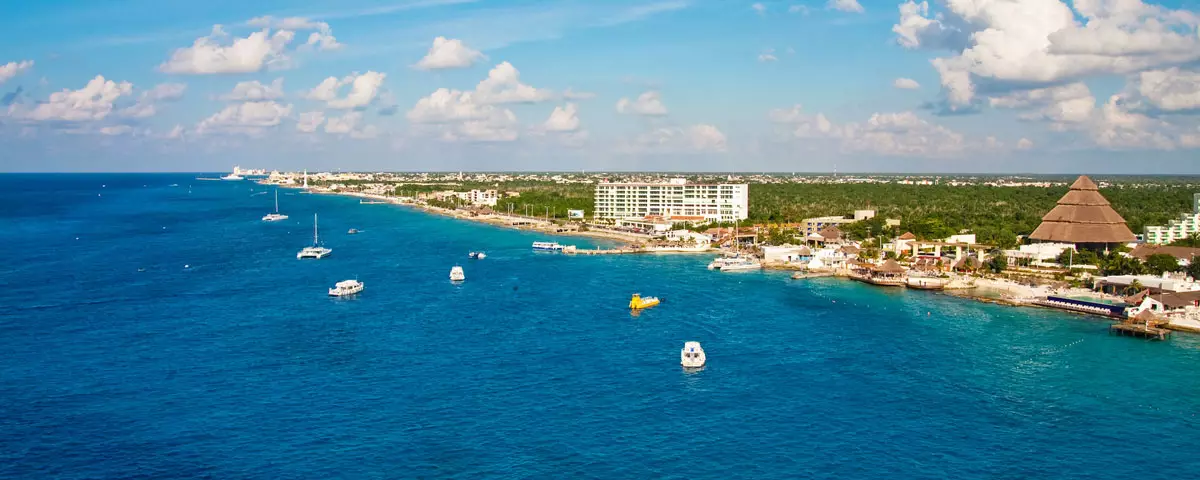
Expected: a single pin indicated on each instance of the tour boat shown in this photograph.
(553, 246)
(352, 231)
(639, 302)
(316, 250)
(692, 356)
(740, 265)
(346, 288)
(275, 217)
(477, 255)
(457, 275)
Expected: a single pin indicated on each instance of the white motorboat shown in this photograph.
(692, 356)
(233, 176)
(477, 255)
(741, 264)
(275, 217)
(316, 251)
(346, 288)
(457, 275)
(552, 246)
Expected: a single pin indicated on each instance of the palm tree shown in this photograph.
(1134, 287)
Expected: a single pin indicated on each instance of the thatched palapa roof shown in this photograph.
(889, 266)
(1083, 216)
(830, 233)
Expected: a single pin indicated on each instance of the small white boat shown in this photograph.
(477, 255)
(692, 356)
(275, 217)
(552, 246)
(233, 176)
(316, 250)
(457, 275)
(741, 264)
(346, 288)
(352, 231)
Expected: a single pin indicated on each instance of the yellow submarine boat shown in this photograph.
(638, 302)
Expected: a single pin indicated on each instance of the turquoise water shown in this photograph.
(240, 366)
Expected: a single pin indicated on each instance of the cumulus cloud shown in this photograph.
(460, 116)
(308, 122)
(147, 104)
(1170, 90)
(563, 119)
(449, 53)
(364, 89)
(248, 118)
(692, 138)
(503, 85)
(321, 39)
(1024, 144)
(894, 134)
(844, 6)
(1021, 43)
(12, 69)
(906, 84)
(254, 91)
(211, 54)
(350, 124)
(647, 104)
(92, 102)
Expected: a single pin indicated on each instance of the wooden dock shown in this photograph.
(1140, 331)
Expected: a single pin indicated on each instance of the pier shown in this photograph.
(1140, 331)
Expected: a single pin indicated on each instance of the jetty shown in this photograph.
(1143, 325)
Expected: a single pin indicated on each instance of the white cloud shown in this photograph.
(364, 89)
(147, 104)
(209, 55)
(1018, 43)
(309, 121)
(647, 104)
(254, 91)
(906, 84)
(322, 39)
(92, 102)
(893, 134)
(1024, 144)
(767, 55)
(1065, 104)
(116, 130)
(503, 85)
(348, 124)
(563, 119)
(12, 69)
(460, 116)
(569, 94)
(759, 8)
(693, 138)
(176, 132)
(248, 117)
(449, 53)
(844, 6)
(1170, 90)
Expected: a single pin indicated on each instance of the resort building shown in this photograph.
(675, 198)
(815, 225)
(1187, 225)
(1083, 217)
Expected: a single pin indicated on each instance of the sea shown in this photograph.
(151, 326)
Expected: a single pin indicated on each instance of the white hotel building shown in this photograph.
(676, 198)
(1187, 225)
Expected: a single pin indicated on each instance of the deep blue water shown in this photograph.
(241, 367)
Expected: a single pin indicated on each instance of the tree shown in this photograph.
(1117, 264)
(997, 263)
(1193, 269)
(1161, 262)
(1134, 287)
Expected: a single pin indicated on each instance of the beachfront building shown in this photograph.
(816, 224)
(675, 198)
(1083, 217)
(480, 198)
(1165, 283)
(787, 254)
(1187, 225)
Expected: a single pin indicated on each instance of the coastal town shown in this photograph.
(1082, 257)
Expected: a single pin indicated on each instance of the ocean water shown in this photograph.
(239, 365)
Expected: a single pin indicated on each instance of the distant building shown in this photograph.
(676, 198)
(815, 225)
(479, 197)
(1187, 225)
(575, 214)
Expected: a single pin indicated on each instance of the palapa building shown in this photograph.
(1083, 217)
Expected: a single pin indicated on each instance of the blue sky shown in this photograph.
(1096, 86)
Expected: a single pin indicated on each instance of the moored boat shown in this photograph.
(346, 288)
(316, 251)
(456, 274)
(639, 302)
(692, 356)
(477, 255)
(551, 246)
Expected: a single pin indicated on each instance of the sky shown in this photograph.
(970, 86)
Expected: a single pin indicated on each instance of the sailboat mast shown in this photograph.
(276, 200)
(316, 239)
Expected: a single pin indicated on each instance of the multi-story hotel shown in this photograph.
(1187, 225)
(676, 198)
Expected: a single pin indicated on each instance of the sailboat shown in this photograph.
(316, 250)
(275, 217)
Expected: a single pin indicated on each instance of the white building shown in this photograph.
(1187, 225)
(479, 197)
(715, 202)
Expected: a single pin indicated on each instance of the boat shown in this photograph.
(456, 274)
(477, 255)
(275, 217)
(371, 202)
(741, 264)
(233, 176)
(352, 231)
(346, 288)
(316, 250)
(551, 246)
(692, 356)
(639, 302)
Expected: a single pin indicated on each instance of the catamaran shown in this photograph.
(275, 217)
(456, 274)
(316, 250)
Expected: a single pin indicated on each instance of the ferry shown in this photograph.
(316, 250)
(639, 302)
(346, 288)
(692, 356)
(551, 246)
(457, 275)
